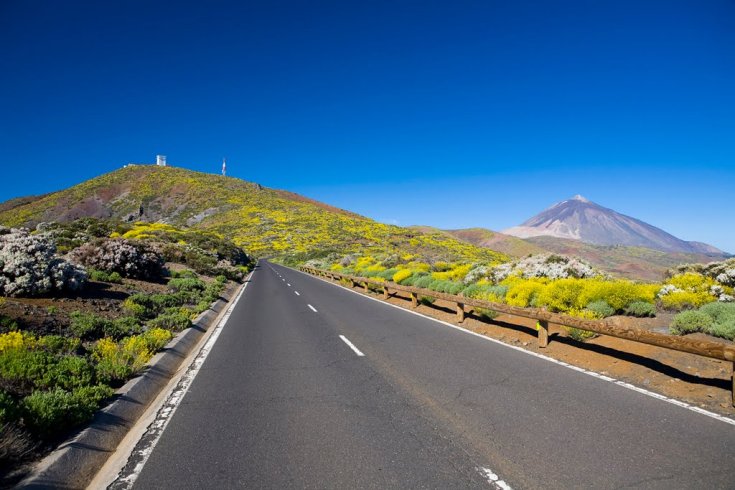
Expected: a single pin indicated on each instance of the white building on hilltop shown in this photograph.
(161, 160)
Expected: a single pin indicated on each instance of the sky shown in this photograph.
(451, 114)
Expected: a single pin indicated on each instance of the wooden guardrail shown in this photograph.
(705, 348)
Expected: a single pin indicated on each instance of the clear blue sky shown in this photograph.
(452, 114)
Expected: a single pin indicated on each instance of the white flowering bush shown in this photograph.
(128, 258)
(551, 266)
(29, 266)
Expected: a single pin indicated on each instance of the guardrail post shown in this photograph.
(386, 295)
(365, 285)
(352, 283)
(732, 375)
(460, 312)
(414, 300)
(543, 333)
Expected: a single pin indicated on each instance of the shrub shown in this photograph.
(719, 312)
(22, 368)
(423, 281)
(88, 326)
(175, 321)
(67, 372)
(51, 413)
(57, 344)
(128, 258)
(29, 266)
(15, 444)
(524, 293)
(157, 338)
(579, 335)
(601, 308)
(185, 273)
(561, 295)
(618, 293)
(401, 275)
(551, 266)
(725, 330)
(679, 300)
(186, 284)
(104, 276)
(640, 309)
(689, 322)
(117, 361)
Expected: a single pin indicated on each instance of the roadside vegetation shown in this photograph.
(564, 285)
(84, 307)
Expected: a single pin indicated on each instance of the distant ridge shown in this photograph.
(583, 220)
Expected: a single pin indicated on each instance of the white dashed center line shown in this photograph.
(297, 293)
(352, 346)
(312, 308)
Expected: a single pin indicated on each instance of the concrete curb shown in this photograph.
(76, 462)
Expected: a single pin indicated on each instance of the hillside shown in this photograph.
(588, 222)
(264, 221)
(631, 262)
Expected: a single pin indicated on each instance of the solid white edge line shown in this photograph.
(312, 308)
(602, 377)
(168, 409)
(352, 346)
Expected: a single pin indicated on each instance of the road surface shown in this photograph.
(313, 386)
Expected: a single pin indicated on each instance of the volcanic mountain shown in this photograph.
(265, 222)
(588, 222)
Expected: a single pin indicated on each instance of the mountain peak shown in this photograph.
(580, 219)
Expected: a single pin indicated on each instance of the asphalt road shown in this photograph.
(283, 401)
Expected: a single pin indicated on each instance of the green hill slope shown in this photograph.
(264, 221)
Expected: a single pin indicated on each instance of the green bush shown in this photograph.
(725, 330)
(58, 344)
(719, 312)
(20, 369)
(185, 273)
(174, 321)
(186, 284)
(104, 276)
(88, 326)
(640, 309)
(601, 309)
(8, 408)
(580, 335)
(51, 413)
(423, 281)
(67, 372)
(690, 321)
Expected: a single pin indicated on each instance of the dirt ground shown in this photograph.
(51, 315)
(697, 380)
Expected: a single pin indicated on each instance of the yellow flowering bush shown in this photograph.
(401, 275)
(17, 340)
(117, 361)
(523, 292)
